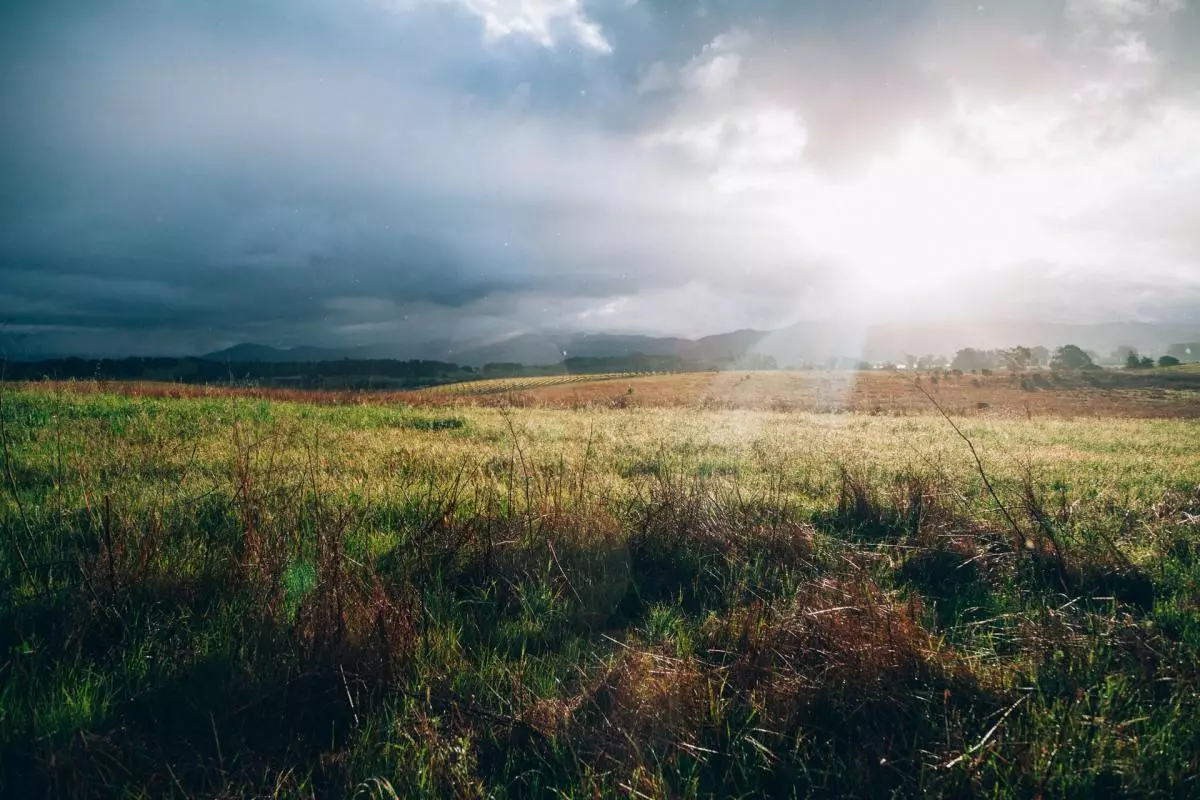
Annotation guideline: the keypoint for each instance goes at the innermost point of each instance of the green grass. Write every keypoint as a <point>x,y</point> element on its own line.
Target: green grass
<point>232,597</point>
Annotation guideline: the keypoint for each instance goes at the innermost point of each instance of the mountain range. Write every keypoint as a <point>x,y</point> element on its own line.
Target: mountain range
<point>809,342</point>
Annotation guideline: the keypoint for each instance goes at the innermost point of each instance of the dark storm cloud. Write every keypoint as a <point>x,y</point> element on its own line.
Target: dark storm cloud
<point>216,171</point>
<point>228,184</point>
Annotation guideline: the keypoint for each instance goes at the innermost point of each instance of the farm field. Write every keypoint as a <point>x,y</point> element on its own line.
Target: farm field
<point>222,595</point>
<point>489,386</point>
<point>1171,392</point>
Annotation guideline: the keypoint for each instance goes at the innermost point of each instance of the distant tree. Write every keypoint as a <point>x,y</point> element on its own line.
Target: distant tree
<point>1145,362</point>
<point>1132,361</point>
<point>1123,353</point>
<point>1168,361</point>
<point>1070,356</point>
<point>931,361</point>
<point>970,359</point>
<point>756,361</point>
<point>965,359</point>
<point>1041,356</point>
<point>506,367</point>
<point>1017,358</point>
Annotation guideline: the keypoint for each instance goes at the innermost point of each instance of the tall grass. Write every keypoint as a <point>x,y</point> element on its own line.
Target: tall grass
<point>231,597</point>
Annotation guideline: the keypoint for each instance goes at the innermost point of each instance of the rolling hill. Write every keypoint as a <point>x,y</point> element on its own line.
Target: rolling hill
<point>808,342</point>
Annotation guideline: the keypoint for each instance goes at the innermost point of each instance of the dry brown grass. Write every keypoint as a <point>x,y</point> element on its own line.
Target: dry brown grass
<point>1152,395</point>
<point>843,653</point>
<point>1113,395</point>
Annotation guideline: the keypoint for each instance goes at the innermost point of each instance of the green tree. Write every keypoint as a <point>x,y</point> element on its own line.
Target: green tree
<point>1071,356</point>
<point>1132,361</point>
<point>1017,358</point>
<point>969,359</point>
<point>1168,361</point>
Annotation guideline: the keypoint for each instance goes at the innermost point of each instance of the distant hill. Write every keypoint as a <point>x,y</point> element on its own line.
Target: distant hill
<point>542,349</point>
<point>263,354</point>
<point>818,342</point>
<point>803,343</point>
<point>530,348</point>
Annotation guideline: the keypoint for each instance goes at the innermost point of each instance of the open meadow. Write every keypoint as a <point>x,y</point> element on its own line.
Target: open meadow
<point>1163,393</point>
<point>661,586</point>
<point>1168,393</point>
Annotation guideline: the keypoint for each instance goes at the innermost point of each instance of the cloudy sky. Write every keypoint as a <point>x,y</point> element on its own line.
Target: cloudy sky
<point>179,176</point>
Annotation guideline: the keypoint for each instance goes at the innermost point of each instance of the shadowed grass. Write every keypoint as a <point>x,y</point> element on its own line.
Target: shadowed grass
<point>229,597</point>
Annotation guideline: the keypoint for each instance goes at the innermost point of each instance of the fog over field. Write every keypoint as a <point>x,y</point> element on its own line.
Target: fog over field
<point>182,177</point>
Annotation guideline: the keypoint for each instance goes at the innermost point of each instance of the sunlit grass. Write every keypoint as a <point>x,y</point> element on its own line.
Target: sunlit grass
<point>225,595</point>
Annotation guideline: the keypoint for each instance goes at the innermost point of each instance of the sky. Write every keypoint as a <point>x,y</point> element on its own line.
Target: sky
<point>183,176</point>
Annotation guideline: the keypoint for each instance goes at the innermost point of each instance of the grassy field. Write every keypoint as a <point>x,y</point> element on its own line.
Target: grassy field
<point>1163,393</point>
<point>216,595</point>
<point>1168,393</point>
<point>489,386</point>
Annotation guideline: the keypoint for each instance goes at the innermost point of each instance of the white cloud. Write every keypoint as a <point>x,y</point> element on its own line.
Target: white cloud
<point>717,73</point>
<point>655,78</point>
<point>1131,47</point>
<point>1120,30</point>
<point>608,309</point>
<point>700,140</point>
<point>540,20</point>
<point>759,143</point>
<point>718,65</point>
<point>1121,12</point>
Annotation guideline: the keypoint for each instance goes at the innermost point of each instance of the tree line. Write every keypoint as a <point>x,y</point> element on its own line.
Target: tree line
<point>1070,357</point>
<point>346,373</point>
<point>415,373</point>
